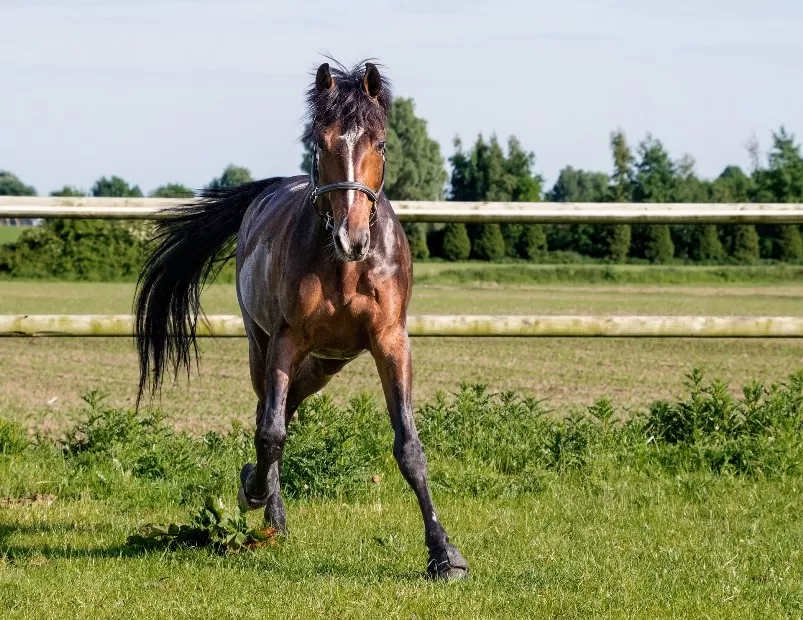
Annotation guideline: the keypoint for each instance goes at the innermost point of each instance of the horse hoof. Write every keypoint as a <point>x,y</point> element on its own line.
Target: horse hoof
<point>245,501</point>
<point>447,563</point>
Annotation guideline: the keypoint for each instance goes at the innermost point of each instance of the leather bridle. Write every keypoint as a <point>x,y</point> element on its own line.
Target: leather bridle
<point>327,217</point>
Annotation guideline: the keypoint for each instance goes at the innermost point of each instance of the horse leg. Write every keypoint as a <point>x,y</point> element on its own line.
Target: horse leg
<point>391,351</point>
<point>261,481</point>
<point>312,375</point>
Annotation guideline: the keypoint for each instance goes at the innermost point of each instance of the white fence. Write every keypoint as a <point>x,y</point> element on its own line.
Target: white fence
<point>229,325</point>
<point>412,211</point>
<point>466,325</point>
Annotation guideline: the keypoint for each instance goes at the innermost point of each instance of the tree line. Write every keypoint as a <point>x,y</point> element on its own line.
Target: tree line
<point>489,171</point>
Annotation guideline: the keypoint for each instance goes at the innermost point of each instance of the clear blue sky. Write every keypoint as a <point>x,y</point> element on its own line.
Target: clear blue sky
<point>173,91</point>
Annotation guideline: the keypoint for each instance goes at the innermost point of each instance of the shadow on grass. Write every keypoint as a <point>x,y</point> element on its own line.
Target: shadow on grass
<point>293,566</point>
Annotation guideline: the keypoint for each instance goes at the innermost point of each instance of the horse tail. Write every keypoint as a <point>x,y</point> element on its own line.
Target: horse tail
<point>187,249</point>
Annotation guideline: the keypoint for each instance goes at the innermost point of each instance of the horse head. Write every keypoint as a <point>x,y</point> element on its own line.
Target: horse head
<point>348,130</point>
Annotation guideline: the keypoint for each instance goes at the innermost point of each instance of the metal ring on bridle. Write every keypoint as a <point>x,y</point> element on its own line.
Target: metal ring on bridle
<point>344,185</point>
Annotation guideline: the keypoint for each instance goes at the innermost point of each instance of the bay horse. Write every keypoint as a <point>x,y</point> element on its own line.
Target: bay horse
<point>323,274</point>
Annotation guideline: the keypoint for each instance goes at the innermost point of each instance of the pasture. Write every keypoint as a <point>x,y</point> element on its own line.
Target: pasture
<point>42,379</point>
<point>9,234</point>
<point>585,518</point>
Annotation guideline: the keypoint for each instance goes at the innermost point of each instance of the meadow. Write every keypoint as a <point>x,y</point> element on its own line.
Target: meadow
<point>9,234</point>
<point>41,380</point>
<point>590,478</point>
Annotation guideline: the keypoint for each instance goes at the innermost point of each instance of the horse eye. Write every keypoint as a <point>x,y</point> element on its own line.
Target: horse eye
<point>380,146</point>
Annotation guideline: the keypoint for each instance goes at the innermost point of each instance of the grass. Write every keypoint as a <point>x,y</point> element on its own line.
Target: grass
<point>9,234</point>
<point>527,273</point>
<point>40,380</point>
<point>642,519</point>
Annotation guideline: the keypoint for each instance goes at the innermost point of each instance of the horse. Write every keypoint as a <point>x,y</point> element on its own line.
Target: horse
<point>323,274</point>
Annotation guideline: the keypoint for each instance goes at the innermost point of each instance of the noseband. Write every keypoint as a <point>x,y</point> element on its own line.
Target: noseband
<point>327,218</point>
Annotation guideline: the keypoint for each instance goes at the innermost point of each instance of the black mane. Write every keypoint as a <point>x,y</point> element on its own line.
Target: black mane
<point>346,103</point>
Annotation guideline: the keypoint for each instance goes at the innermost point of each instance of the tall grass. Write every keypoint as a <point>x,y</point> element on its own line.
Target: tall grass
<point>478,444</point>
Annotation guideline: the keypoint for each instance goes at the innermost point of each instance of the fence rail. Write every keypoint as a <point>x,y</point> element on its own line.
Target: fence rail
<point>225,325</point>
<point>412,211</point>
<point>430,325</point>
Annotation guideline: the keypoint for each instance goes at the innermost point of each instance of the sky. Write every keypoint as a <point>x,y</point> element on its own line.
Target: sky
<point>173,91</point>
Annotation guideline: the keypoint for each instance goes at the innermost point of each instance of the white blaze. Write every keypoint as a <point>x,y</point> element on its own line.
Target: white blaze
<point>351,138</point>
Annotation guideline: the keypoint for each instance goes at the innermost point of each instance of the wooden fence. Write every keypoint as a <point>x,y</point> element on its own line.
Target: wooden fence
<point>466,325</point>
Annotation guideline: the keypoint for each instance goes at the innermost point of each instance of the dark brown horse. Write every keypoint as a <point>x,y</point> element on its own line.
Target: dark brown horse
<point>324,274</point>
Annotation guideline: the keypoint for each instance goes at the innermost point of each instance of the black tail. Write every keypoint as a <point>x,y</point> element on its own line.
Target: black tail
<point>187,249</point>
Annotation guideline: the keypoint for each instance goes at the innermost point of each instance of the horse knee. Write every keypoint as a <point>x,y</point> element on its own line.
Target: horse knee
<point>409,454</point>
<point>270,436</point>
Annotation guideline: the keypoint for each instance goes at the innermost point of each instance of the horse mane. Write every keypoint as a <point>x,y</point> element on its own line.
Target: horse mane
<point>346,102</point>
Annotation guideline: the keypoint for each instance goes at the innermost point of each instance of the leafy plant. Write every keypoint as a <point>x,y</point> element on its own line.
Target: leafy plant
<point>215,525</point>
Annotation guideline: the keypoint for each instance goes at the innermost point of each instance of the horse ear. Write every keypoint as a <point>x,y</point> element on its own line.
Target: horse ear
<point>323,79</point>
<point>371,81</point>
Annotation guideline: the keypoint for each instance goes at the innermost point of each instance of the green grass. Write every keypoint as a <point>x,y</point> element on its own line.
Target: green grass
<point>9,234</point>
<point>527,273</point>
<point>577,519</point>
<point>40,379</point>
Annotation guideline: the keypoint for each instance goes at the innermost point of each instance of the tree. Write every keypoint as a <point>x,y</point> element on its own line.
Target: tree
<point>620,189</point>
<point>687,237</point>
<point>10,185</point>
<point>533,242</point>
<point>417,238</point>
<point>456,244</point>
<point>415,166</point>
<point>579,186</point>
<point>745,244</point>
<point>781,181</point>
<point>789,246</point>
<point>706,244</point>
<point>489,243</point>
<point>172,190</point>
<point>232,177</point>
<point>487,173</point>
<point>69,191</point>
<point>115,187</point>
<point>739,240</point>
<point>655,181</point>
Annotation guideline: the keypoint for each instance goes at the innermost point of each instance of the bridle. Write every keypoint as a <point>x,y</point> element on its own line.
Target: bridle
<point>327,218</point>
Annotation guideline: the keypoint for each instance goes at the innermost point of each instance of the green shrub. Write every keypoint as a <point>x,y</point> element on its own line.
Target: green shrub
<point>76,250</point>
<point>478,443</point>
<point>487,242</point>
<point>658,246</point>
<point>532,244</point>
<point>456,244</point>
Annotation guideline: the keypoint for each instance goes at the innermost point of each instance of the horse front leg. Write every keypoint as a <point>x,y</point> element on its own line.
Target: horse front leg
<point>391,351</point>
<point>260,482</point>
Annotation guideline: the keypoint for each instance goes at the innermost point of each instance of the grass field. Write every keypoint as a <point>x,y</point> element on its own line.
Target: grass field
<point>41,380</point>
<point>577,519</point>
<point>9,234</point>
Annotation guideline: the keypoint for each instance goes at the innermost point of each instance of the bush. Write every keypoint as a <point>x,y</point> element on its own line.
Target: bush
<point>487,242</point>
<point>745,244</point>
<point>76,250</point>
<point>706,245</point>
<point>789,244</point>
<point>417,238</point>
<point>532,243</point>
<point>619,242</point>
<point>455,245</point>
<point>477,443</point>
<point>658,246</point>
